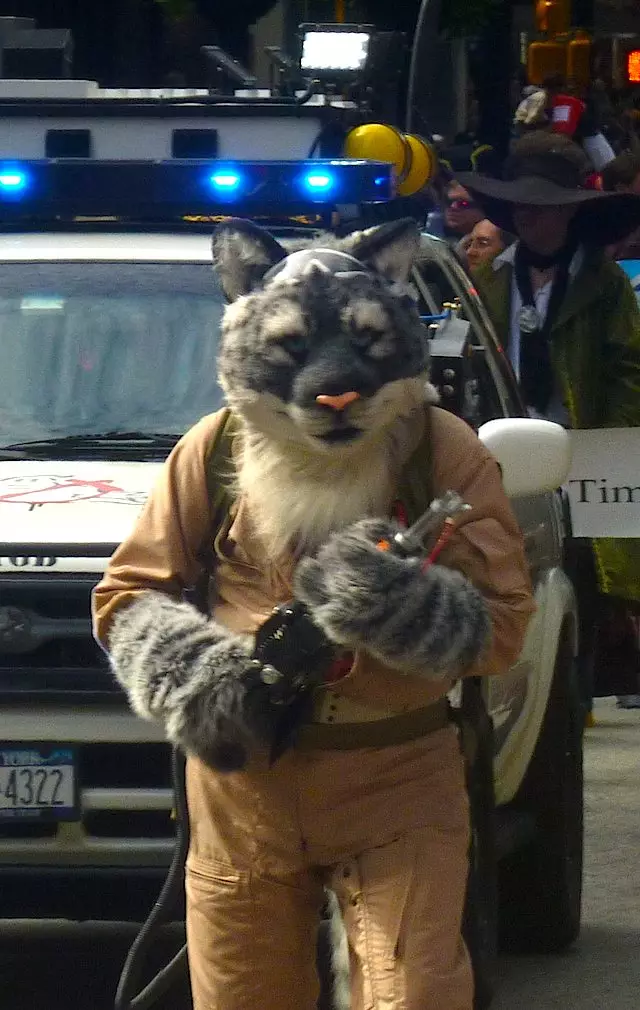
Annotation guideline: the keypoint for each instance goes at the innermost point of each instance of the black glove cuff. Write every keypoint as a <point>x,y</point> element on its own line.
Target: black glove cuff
<point>277,688</point>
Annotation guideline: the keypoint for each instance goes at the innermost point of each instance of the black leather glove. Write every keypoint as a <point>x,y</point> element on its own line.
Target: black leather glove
<point>291,657</point>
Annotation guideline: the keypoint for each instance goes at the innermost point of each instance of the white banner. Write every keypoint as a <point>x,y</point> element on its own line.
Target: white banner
<point>604,483</point>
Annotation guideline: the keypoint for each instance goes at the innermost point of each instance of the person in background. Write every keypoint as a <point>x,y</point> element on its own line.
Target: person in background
<point>555,107</point>
<point>484,243</point>
<point>622,175</point>
<point>570,323</point>
<point>461,212</point>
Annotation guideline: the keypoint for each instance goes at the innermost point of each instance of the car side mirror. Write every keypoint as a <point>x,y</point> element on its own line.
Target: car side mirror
<point>534,455</point>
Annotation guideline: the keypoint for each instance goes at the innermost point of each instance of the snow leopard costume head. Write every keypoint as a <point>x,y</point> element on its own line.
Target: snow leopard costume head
<point>324,358</point>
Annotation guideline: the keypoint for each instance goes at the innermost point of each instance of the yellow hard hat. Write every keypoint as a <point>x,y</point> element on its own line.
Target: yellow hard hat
<point>423,167</point>
<point>413,158</point>
<point>379,142</point>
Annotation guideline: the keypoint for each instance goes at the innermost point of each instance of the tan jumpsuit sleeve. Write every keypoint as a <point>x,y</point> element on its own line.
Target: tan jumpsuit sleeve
<point>488,547</point>
<point>161,552</point>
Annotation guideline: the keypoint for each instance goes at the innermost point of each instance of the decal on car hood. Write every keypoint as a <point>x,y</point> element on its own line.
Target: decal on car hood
<point>86,502</point>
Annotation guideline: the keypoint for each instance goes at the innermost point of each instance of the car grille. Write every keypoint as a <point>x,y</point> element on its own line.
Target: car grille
<point>48,655</point>
<point>51,654</point>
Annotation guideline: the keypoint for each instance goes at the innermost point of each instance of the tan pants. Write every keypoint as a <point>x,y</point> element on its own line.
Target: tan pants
<point>386,828</point>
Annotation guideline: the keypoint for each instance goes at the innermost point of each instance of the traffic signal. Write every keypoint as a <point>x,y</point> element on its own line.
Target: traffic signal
<point>633,66</point>
<point>564,51</point>
<point>546,59</point>
<point>553,17</point>
<point>618,60</point>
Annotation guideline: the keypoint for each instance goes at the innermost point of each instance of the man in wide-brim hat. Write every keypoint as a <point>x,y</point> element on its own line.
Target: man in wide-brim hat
<point>568,320</point>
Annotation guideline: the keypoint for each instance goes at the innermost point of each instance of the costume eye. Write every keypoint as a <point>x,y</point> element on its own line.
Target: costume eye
<point>294,344</point>
<point>373,342</point>
<point>365,337</point>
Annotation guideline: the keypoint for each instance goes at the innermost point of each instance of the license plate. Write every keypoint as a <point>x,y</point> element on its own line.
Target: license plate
<point>38,782</point>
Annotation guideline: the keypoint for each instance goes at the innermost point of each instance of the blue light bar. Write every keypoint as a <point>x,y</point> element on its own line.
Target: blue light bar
<point>162,190</point>
<point>318,182</point>
<point>226,182</point>
<point>14,181</point>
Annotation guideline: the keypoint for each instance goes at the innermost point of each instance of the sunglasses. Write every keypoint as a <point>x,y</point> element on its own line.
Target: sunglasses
<point>462,205</point>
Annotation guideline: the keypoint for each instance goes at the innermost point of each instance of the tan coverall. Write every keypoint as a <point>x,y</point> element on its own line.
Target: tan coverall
<point>386,826</point>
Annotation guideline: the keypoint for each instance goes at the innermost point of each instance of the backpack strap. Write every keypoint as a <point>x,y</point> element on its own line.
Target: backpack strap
<point>416,482</point>
<point>218,467</point>
<point>217,464</point>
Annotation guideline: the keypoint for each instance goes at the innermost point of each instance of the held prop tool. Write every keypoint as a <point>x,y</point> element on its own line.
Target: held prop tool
<point>441,515</point>
<point>292,656</point>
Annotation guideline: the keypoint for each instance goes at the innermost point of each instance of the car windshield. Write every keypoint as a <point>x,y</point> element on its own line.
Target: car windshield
<point>90,348</point>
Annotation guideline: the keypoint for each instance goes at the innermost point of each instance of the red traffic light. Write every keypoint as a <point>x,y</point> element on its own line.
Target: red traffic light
<point>633,66</point>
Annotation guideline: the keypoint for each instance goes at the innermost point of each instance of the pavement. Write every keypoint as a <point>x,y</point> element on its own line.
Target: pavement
<point>602,971</point>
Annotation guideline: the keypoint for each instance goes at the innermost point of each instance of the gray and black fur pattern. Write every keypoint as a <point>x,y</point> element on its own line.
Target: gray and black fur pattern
<point>182,670</point>
<point>433,623</point>
<point>291,339</point>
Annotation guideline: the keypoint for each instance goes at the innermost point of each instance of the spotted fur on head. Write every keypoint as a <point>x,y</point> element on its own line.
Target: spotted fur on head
<point>289,339</point>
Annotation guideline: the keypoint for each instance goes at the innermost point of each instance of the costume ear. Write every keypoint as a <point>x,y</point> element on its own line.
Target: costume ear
<point>389,248</point>
<point>242,254</point>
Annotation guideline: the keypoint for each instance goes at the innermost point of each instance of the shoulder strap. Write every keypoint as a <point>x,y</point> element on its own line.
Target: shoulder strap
<point>217,472</point>
<point>217,465</point>
<point>416,483</point>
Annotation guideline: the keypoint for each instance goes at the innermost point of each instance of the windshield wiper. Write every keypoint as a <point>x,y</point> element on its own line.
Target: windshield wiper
<point>155,440</point>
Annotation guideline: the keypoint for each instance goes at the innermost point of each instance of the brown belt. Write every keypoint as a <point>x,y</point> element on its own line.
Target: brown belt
<point>379,733</point>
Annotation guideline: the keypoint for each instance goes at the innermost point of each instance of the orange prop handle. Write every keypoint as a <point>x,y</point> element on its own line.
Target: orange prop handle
<point>440,544</point>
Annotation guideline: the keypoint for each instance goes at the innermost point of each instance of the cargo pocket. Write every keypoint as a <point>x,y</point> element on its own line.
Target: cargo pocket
<point>218,920</point>
<point>235,923</point>
<point>218,901</point>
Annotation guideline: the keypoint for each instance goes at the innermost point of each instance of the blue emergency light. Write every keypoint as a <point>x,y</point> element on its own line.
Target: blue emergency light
<point>161,190</point>
<point>14,182</point>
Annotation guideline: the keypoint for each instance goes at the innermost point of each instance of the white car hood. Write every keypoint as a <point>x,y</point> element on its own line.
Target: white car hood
<point>88,502</point>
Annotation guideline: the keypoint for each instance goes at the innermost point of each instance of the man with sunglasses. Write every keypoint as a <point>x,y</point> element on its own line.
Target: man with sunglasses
<point>461,213</point>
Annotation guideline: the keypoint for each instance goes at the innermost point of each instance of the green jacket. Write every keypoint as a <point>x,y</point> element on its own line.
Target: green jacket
<point>595,353</point>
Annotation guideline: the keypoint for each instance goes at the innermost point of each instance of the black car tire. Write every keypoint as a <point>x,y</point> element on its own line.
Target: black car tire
<point>480,925</point>
<point>540,884</point>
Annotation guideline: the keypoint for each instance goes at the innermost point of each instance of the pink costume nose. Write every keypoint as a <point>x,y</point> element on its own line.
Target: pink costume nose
<point>338,402</point>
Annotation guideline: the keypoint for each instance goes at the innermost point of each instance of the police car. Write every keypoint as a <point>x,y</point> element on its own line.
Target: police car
<point>108,315</point>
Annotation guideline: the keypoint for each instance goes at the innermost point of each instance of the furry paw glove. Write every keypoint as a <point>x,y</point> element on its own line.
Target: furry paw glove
<point>197,678</point>
<point>434,623</point>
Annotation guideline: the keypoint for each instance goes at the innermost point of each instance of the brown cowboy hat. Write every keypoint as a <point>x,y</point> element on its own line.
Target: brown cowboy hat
<point>547,170</point>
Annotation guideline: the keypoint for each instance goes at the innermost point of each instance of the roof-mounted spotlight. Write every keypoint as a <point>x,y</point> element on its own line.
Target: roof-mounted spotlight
<point>335,52</point>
